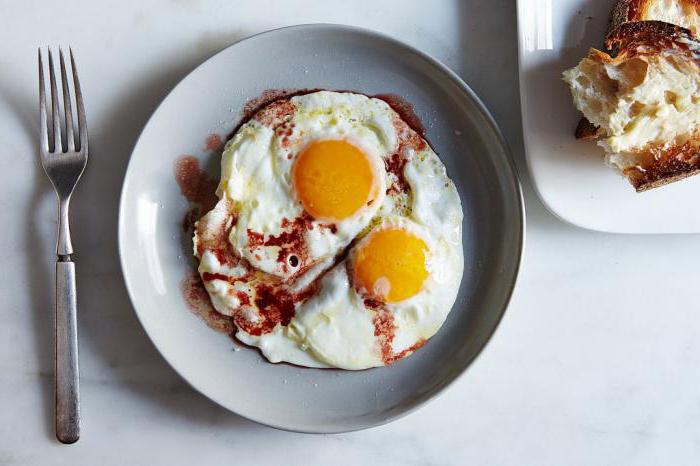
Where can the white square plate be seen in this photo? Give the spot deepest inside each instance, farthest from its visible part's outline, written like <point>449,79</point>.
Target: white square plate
<point>569,175</point>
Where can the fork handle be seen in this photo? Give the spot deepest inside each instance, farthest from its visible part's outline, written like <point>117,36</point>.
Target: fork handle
<point>67,388</point>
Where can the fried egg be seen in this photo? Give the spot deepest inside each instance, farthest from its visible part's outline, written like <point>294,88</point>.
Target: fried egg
<point>336,241</point>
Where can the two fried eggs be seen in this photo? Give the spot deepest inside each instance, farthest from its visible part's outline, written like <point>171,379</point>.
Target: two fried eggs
<point>336,241</point>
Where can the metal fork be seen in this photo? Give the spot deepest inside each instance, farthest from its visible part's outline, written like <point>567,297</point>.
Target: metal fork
<point>64,160</point>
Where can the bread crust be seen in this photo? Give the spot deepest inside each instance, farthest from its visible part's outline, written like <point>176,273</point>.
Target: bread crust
<point>626,11</point>
<point>587,130</point>
<point>646,38</point>
<point>666,165</point>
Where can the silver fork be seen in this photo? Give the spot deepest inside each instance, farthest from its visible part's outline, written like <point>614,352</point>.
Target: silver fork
<point>64,162</point>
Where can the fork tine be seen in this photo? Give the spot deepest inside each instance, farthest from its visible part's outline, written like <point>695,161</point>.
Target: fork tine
<point>67,110</point>
<point>55,117</point>
<point>82,125</point>
<point>43,125</point>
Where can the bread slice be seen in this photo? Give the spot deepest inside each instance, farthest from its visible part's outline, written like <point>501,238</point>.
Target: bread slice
<point>684,13</point>
<point>645,101</point>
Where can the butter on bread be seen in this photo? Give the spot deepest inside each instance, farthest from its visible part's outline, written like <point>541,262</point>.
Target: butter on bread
<point>645,101</point>
<point>684,13</point>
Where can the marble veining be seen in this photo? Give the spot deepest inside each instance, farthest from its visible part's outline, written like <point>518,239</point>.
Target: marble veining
<point>596,361</point>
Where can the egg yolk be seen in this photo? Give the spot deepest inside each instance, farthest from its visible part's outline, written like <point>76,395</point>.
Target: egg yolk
<point>333,179</point>
<point>390,266</point>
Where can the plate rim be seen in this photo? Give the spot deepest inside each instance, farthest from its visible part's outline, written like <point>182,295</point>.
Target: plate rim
<point>510,283</point>
<point>526,151</point>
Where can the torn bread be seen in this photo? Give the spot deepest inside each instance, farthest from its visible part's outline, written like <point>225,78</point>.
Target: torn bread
<point>684,13</point>
<point>645,101</point>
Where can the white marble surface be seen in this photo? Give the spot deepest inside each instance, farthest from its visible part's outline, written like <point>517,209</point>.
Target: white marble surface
<point>595,363</point>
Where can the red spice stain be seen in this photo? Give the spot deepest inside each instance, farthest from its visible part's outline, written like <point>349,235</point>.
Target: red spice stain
<point>194,183</point>
<point>385,331</point>
<point>405,111</point>
<point>332,227</point>
<point>274,302</point>
<point>395,164</point>
<point>304,221</point>
<point>291,242</point>
<point>243,298</point>
<point>198,301</point>
<point>225,255</point>
<point>411,135</point>
<point>409,139</point>
<point>208,276</point>
<point>277,113</point>
<point>197,187</point>
<point>214,238</point>
<point>267,97</point>
<point>400,105</point>
<point>275,306</point>
<point>213,143</point>
<point>402,354</point>
<point>284,131</point>
<point>310,290</point>
<point>373,303</point>
<point>255,239</point>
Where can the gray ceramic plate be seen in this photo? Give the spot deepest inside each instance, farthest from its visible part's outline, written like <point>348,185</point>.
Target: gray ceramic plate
<point>210,100</point>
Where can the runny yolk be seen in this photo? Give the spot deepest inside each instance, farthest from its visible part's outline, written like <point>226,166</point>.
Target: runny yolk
<point>390,265</point>
<point>333,179</point>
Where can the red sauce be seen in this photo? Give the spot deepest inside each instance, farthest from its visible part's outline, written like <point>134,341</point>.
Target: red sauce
<point>213,143</point>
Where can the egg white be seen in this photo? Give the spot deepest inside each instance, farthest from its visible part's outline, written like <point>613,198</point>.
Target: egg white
<point>333,328</point>
<point>257,167</point>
